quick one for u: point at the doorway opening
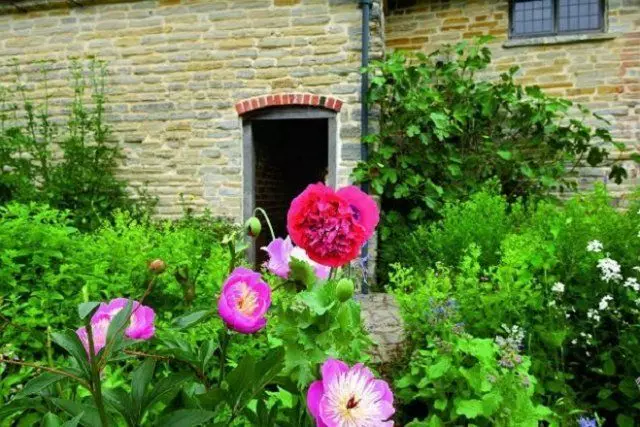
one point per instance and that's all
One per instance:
(285, 151)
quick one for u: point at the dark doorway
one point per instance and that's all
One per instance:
(289, 155)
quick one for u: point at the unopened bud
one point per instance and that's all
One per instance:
(253, 226)
(157, 266)
(344, 289)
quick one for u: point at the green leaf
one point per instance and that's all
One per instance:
(117, 325)
(42, 381)
(470, 408)
(609, 367)
(164, 388)
(73, 422)
(89, 415)
(69, 341)
(624, 421)
(186, 418)
(506, 155)
(191, 319)
(51, 420)
(87, 308)
(141, 378)
(249, 378)
(319, 300)
(302, 272)
(439, 369)
(19, 405)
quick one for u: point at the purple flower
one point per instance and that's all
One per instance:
(587, 422)
(244, 301)
(99, 327)
(349, 396)
(280, 253)
(141, 326)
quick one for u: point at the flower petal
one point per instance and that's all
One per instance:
(331, 369)
(316, 390)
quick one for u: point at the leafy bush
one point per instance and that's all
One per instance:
(240, 354)
(566, 275)
(47, 266)
(445, 131)
(72, 170)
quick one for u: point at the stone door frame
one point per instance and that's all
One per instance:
(286, 112)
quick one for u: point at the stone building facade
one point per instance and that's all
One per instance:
(188, 78)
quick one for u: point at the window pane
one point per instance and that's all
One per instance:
(579, 15)
(530, 17)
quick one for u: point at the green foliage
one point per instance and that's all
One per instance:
(73, 169)
(445, 130)
(47, 267)
(542, 277)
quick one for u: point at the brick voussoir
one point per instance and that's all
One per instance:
(259, 102)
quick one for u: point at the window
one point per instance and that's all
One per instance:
(530, 18)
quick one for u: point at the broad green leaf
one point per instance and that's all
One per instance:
(51, 420)
(164, 388)
(302, 272)
(186, 418)
(117, 325)
(141, 378)
(73, 422)
(624, 421)
(506, 155)
(19, 405)
(439, 369)
(192, 319)
(69, 341)
(42, 381)
(89, 415)
(470, 408)
(87, 308)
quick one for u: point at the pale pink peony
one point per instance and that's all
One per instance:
(99, 328)
(349, 397)
(141, 326)
(244, 301)
(280, 253)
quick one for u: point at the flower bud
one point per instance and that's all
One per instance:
(157, 266)
(344, 289)
(253, 226)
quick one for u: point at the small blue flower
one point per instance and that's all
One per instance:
(587, 422)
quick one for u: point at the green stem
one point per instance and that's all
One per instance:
(50, 358)
(96, 385)
(266, 217)
(224, 343)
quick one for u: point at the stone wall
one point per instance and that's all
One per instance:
(601, 70)
(177, 69)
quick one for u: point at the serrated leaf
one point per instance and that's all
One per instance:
(302, 272)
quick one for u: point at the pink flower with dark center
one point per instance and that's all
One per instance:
(280, 253)
(141, 326)
(365, 209)
(326, 226)
(244, 301)
(349, 397)
(99, 328)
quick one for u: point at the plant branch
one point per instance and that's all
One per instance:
(45, 368)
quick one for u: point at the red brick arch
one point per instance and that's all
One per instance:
(279, 99)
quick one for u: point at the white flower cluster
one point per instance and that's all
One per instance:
(610, 270)
(595, 246)
(593, 314)
(604, 302)
(558, 287)
(632, 283)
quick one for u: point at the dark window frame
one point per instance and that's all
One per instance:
(555, 17)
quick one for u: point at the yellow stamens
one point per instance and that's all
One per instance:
(248, 301)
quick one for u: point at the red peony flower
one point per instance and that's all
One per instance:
(329, 227)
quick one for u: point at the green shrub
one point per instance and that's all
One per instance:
(74, 169)
(47, 267)
(445, 130)
(567, 275)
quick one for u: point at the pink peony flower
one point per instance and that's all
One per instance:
(99, 327)
(363, 206)
(244, 301)
(141, 325)
(329, 227)
(280, 253)
(349, 397)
